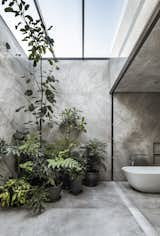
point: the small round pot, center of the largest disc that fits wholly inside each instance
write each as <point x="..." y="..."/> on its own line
<point x="76" y="186"/>
<point x="91" y="179"/>
<point x="54" y="193"/>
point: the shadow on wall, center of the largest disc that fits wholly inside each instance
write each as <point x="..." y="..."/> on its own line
<point x="136" y="128"/>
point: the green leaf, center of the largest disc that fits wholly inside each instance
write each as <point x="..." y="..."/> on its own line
<point x="28" y="92"/>
<point x="50" y="27"/>
<point x="20" y="6"/>
<point x="11" y="3"/>
<point x="27" y="166"/>
<point x="8" y="46"/>
<point x="50" y="96"/>
<point x="26" y="7"/>
<point x="31" y="107"/>
<point x="8" y="9"/>
<point x="20" y="108"/>
<point x="29" y="17"/>
<point x="50" y="61"/>
<point x="4" y="1"/>
<point x="28" y="81"/>
<point x="51" y="78"/>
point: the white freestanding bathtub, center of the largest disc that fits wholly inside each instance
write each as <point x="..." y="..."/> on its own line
<point x="143" y="178"/>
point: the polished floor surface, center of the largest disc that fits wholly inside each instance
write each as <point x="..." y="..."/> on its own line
<point x="110" y="209"/>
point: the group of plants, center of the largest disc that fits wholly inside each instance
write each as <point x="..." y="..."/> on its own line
<point x="43" y="169"/>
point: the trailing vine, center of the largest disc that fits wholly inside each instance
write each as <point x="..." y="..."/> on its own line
<point x="39" y="43"/>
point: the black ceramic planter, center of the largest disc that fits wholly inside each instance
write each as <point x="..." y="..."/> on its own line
<point x="76" y="186"/>
<point x="91" y="179"/>
<point x="66" y="182"/>
<point x="54" y="193"/>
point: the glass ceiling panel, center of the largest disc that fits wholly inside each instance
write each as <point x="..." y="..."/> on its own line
<point x="12" y="21"/>
<point x="101" y="21"/>
<point x="66" y="18"/>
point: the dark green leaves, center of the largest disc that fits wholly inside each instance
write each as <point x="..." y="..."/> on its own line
<point x="4" y="1"/>
<point x="50" y="61"/>
<point x="28" y="81"/>
<point x="31" y="107"/>
<point x="11" y="3"/>
<point x="8" y="9"/>
<point x="8" y="46"/>
<point x="42" y="103"/>
<point x="50" y="79"/>
<point x="19" y="109"/>
<point x="26" y="7"/>
<point x="28" y="92"/>
<point x="50" y="96"/>
<point x="50" y="27"/>
<point x="16" y="26"/>
<point x="29" y="17"/>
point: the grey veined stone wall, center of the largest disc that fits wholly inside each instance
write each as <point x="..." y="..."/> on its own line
<point x="14" y="70"/>
<point x="136" y="128"/>
<point x="85" y="85"/>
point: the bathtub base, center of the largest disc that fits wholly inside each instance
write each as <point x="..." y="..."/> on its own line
<point x="143" y="178"/>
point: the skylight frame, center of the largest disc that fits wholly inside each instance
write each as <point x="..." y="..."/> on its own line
<point x="37" y="5"/>
<point x="82" y="51"/>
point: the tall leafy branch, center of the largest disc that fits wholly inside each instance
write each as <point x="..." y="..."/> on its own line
<point x="42" y="101"/>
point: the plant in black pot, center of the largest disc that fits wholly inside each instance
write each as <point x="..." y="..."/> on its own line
<point x="40" y="175"/>
<point x="53" y="184"/>
<point x="76" y="179"/>
<point x="70" y="168"/>
<point x="76" y="175"/>
<point x="53" y="189"/>
<point x="95" y="160"/>
<point x="59" y="150"/>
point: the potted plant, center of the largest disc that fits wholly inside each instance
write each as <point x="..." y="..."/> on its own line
<point x="53" y="189"/>
<point x="39" y="174"/>
<point x="76" y="185"/>
<point x="70" y="168"/>
<point x="94" y="155"/>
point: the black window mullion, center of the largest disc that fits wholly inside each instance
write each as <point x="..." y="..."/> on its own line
<point x="83" y="25"/>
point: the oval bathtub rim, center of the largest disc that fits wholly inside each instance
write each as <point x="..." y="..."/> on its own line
<point x="142" y="170"/>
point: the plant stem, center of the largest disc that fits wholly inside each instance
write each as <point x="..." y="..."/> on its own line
<point x="40" y="121"/>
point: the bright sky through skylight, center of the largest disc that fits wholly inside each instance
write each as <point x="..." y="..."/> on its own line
<point x="101" y="20"/>
<point x="12" y="21"/>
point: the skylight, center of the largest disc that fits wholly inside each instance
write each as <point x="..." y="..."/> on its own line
<point x="72" y="38"/>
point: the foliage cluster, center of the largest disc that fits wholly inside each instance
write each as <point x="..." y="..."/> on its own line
<point x="42" y="166"/>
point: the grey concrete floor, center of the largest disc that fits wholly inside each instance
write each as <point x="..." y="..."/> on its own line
<point x="148" y="204"/>
<point x="98" y="211"/>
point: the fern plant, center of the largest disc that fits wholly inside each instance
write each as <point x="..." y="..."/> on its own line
<point x="27" y="166"/>
<point x="68" y="166"/>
